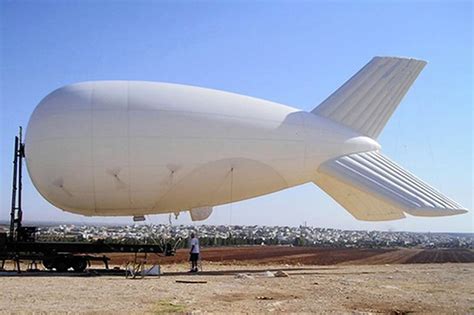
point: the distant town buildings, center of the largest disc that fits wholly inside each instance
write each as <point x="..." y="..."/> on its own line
<point x="222" y="235"/>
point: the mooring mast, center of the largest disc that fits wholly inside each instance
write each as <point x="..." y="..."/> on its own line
<point x="16" y="213"/>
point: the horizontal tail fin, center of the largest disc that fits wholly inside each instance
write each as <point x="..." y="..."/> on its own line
<point x="373" y="188"/>
<point x="368" y="99"/>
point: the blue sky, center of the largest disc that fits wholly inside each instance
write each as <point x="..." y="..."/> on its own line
<point x="291" y="52"/>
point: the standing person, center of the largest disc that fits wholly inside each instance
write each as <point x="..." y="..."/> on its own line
<point x="194" y="253"/>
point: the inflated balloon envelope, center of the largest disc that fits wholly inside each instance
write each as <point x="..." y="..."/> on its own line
<point x="130" y="148"/>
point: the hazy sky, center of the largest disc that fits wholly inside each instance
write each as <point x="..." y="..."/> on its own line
<point x="291" y="52"/>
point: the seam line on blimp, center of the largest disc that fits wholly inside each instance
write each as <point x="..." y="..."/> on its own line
<point x="407" y="79"/>
<point x="413" y="187"/>
<point x="187" y="112"/>
<point x="404" y="175"/>
<point x="416" y="181"/>
<point x="362" y="89"/>
<point x="172" y="186"/>
<point x="305" y="137"/>
<point x="425" y="187"/>
<point x="164" y="165"/>
<point x="212" y="194"/>
<point x="389" y="180"/>
<point x="357" y="177"/>
<point x="374" y="176"/>
<point x="184" y="86"/>
<point x="222" y="115"/>
<point x="128" y="147"/>
<point x="379" y="86"/>
<point x="341" y="156"/>
<point x="176" y="138"/>
<point x="94" y="197"/>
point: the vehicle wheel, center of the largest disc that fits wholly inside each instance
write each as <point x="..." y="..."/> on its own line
<point x="48" y="264"/>
<point x="79" y="264"/>
<point x="61" y="265"/>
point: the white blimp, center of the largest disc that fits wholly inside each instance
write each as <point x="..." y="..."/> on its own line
<point x="129" y="148"/>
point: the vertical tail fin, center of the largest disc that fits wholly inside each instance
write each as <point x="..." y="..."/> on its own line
<point x="368" y="99"/>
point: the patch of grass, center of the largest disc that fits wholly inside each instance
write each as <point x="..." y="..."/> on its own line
<point x="167" y="307"/>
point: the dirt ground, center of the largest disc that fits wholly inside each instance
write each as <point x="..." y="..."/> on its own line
<point x="419" y="288"/>
<point x="314" y="255"/>
<point x="240" y="280"/>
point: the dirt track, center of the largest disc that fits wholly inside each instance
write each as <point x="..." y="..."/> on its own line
<point x="314" y="256"/>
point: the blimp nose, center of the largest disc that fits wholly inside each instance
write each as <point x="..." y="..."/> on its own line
<point x="69" y="98"/>
<point x="66" y="112"/>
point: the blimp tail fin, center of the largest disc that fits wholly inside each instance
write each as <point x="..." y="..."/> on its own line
<point x="373" y="188"/>
<point x="368" y="99"/>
